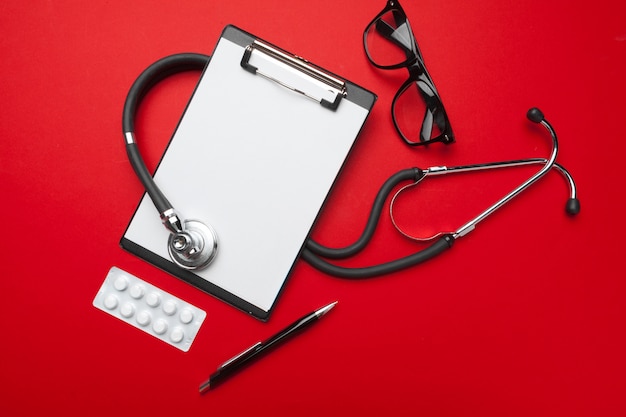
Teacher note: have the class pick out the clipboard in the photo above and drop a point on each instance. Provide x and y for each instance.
(259, 146)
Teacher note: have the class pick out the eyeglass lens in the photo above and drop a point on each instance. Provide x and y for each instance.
(416, 113)
(389, 40)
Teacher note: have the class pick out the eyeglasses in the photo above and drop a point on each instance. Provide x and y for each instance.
(390, 44)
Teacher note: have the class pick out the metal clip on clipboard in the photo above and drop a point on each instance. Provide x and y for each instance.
(294, 73)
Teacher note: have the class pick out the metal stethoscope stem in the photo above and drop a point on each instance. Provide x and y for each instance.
(547, 164)
(314, 253)
(572, 207)
(443, 170)
(469, 226)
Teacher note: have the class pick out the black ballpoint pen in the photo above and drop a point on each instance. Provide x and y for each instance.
(246, 357)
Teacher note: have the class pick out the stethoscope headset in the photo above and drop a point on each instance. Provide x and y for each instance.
(193, 245)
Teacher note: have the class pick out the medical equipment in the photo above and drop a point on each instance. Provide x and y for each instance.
(193, 245)
(314, 252)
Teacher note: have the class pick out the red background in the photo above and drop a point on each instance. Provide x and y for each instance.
(524, 316)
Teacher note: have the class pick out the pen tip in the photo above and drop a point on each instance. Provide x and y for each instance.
(325, 309)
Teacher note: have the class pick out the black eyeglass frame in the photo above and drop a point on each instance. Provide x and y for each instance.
(418, 74)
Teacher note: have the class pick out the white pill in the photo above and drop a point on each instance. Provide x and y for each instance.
(159, 326)
(186, 316)
(144, 318)
(127, 310)
(137, 291)
(121, 283)
(110, 302)
(153, 299)
(169, 307)
(177, 335)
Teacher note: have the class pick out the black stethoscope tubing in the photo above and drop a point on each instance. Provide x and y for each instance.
(313, 252)
(156, 72)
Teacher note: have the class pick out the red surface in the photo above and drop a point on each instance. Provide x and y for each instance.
(524, 316)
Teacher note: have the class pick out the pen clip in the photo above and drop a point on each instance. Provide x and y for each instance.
(320, 85)
(240, 355)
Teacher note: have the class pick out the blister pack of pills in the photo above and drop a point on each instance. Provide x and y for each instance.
(149, 309)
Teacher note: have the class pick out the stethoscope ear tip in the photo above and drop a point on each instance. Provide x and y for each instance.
(573, 206)
(535, 115)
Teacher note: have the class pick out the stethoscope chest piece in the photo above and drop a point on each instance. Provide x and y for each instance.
(193, 248)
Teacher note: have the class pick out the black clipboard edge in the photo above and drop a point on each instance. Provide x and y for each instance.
(194, 280)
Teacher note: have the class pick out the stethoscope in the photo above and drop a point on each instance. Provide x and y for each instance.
(193, 245)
